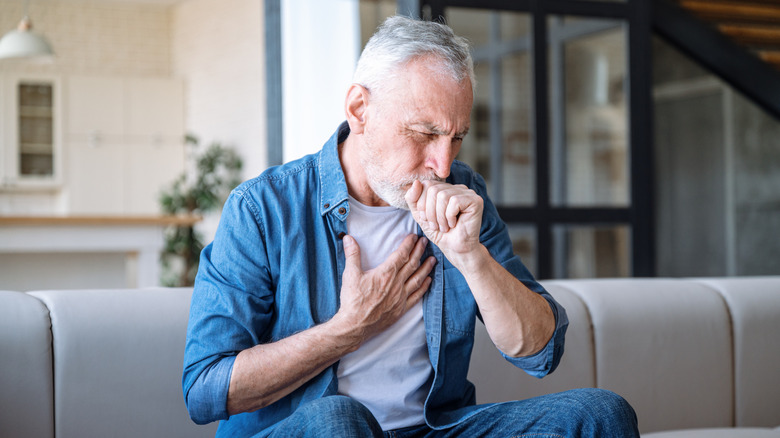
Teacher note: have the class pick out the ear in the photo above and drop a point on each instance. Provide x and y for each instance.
(355, 107)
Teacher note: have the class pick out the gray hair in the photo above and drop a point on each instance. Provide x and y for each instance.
(400, 40)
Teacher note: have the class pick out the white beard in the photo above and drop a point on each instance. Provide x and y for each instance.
(389, 190)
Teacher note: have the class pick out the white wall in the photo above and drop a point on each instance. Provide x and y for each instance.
(219, 48)
(95, 38)
(320, 48)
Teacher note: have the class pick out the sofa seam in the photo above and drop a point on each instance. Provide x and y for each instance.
(52, 364)
(592, 328)
(719, 292)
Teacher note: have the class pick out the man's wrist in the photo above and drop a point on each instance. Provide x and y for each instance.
(346, 333)
(472, 262)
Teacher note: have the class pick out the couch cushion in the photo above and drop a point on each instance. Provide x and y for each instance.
(754, 304)
(118, 362)
(26, 382)
(498, 380)
(718, 433)
(664, 345)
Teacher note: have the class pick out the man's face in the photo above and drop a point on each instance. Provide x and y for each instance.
(415, 130)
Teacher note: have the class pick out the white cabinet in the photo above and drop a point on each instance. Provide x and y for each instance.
(154, 107)
(124, 143)
(89, 144)
(30, 132)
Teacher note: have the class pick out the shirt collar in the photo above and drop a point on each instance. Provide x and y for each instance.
(333, 185)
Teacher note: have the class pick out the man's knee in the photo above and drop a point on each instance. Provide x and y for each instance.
(605, 411)
(328, 417)
(603, 400)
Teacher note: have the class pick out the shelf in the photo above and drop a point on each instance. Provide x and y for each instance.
(40, 112)
(36, 149)
(106, 220)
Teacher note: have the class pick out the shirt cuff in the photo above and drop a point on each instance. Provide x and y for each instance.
(547, 359)
(207, 398)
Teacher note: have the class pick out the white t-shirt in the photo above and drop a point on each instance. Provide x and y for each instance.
(390, 373)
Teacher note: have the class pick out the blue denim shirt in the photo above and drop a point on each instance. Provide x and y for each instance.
(274, 269)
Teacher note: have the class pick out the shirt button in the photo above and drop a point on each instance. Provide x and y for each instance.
(326, 206)
(341, 235)
(342, 210)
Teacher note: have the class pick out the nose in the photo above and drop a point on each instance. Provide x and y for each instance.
(439, 156)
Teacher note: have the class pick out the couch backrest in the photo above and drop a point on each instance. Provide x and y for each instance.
(496, 380)
(26, 381)
(754, 305)
(664, 345)
(685, 353)
(118, 362)
(667, 345)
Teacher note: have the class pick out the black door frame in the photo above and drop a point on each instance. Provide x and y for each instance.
(640, 214)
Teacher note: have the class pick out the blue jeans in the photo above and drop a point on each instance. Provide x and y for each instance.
(576, 413)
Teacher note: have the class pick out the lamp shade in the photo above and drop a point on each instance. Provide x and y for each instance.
(24, 43)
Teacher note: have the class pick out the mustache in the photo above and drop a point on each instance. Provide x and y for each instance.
(408, 180)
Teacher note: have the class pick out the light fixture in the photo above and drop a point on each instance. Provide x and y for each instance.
(24, 43)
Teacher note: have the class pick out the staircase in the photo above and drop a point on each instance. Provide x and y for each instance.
(736, 40)
(753, 24)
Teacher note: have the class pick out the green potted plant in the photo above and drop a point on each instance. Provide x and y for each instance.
(215, 172)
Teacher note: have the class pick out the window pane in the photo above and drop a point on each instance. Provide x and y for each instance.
(589, 70)
(499, 145)
(475, 150)
(592, 251)
(514, 25)
(517, 158)
(372, 14)
(717, 174)
(524, 245)
(36, 137)
(473, 24)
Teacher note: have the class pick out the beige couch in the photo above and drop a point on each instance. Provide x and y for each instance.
(688, 354)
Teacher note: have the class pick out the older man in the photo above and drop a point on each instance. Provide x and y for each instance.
(340, 293)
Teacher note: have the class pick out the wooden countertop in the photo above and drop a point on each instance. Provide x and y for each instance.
(99, 220)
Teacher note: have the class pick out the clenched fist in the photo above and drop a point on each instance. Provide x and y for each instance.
(449, 215)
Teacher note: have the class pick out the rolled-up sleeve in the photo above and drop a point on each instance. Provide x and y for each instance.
(547, 359)
(494, 235)
(230, 311)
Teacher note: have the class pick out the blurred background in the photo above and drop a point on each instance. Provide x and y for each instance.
(617, 138)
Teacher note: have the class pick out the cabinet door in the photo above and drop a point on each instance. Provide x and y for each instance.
(95, 126)
(96, 107)
(32, 134)
(95, 178)
(154, 137)
(125, 143)
(4, 134)
(155, 109)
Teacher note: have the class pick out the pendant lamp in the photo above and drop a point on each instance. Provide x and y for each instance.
(24, 43)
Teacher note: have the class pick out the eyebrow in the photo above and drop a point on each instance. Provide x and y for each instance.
(437, 131)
